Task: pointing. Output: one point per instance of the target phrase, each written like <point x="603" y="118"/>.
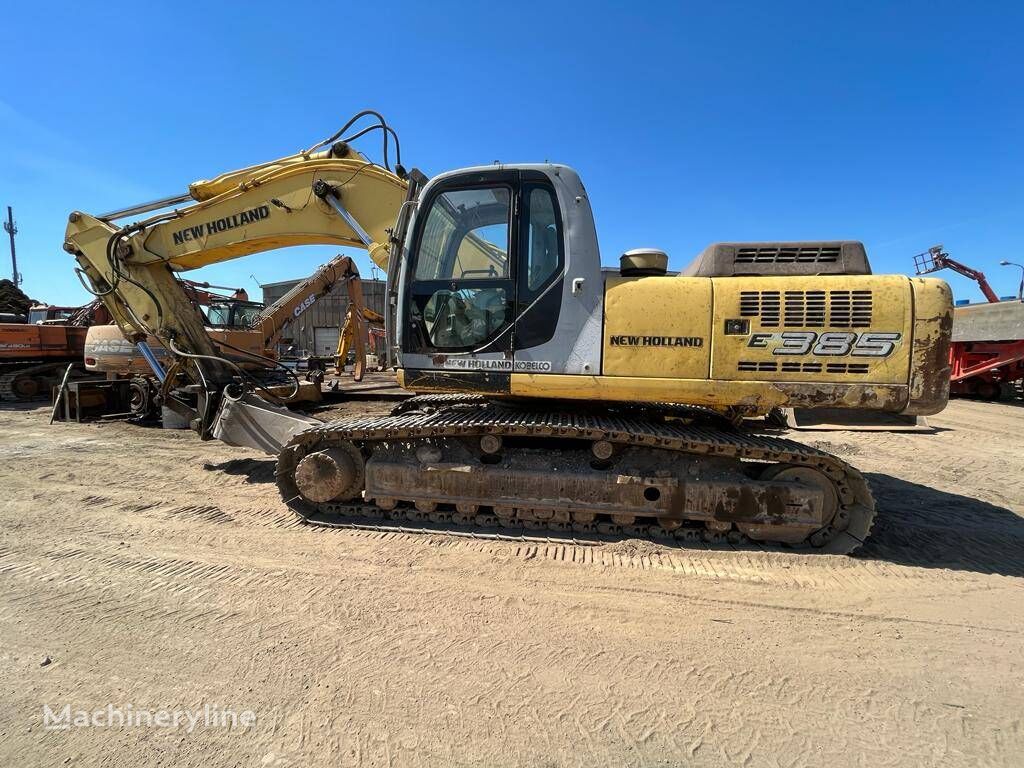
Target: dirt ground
<point x="161" y="573"/>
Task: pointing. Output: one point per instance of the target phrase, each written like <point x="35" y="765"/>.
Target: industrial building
<point x="315" y="331"/>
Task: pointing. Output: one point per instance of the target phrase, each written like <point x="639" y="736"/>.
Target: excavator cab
<point x="482" y="287"/>
<point x="232" y="313"/>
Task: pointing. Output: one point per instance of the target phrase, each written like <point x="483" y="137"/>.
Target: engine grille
<point x="788" y="255"/>
<point x="850" y="309"/>
<point x="808" y="309"/>
<point x="750" y="366"/>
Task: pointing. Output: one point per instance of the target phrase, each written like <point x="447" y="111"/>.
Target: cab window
<point x="466" y="235"/>
<point x="246" y="315"/>
<point x="219" y="315"/>
<point x="466" y="317"/>
<point x="462" y="289"/>
<point x="542" y="238"/>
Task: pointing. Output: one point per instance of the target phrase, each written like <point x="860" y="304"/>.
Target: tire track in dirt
<point x="892" y="554"/>
<point x="395" y="649"/>
<point x="977" y="537"/>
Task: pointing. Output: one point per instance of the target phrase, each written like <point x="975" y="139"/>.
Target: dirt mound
<point x="13" y="300"/>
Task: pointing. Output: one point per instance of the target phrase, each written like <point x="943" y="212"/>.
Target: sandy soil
<point x="161" y="572"/>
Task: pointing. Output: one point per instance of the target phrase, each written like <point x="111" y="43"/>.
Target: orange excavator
<point x="34" y="355"/>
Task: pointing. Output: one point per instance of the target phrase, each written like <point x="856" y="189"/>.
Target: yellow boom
<point x="330" y="197"/>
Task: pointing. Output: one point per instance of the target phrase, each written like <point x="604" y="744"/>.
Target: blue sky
<point x="899" y="124"/>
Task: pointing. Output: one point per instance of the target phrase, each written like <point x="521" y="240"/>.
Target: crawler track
<point x="648" y="428"/>
<point x="29" y="380"/>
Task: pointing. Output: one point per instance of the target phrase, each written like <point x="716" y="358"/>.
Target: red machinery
<point x="935" y="259"/>
<point x="987" y="353"/>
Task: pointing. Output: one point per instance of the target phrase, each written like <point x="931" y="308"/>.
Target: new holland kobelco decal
<point x="478" y="364"/>
<point x="208" y="228"/>
<point x="832" y="344"/>
<point x="656" y="341"/>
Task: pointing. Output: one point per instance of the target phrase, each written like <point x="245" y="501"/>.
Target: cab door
<point x="540" y="278"/>
<point x="460" y="285"/>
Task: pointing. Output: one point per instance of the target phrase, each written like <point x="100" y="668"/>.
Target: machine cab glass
<point x="488" y="248"/>
<point x="462" y="290"/>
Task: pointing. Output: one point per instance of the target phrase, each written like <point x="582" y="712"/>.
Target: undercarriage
<point x="33" y="379"/>
<point x="661" y="471"/>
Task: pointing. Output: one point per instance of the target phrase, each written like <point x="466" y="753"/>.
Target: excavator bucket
<point x="252" y="422"/>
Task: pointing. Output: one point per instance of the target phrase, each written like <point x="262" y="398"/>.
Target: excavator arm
<point x="333" y="196"/>
<point x="295" y="302"/>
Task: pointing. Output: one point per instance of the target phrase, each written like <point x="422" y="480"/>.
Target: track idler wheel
<point x="847" y="512"/>
<point x="27" y="387"/>
<point x="330" y="474"/>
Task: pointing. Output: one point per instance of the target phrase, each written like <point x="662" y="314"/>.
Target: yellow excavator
<point x="361" y="325"/>
<point x="551" y="393"/>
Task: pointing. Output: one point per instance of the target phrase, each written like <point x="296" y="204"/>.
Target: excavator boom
<point x="276" y="206"/>
<point x="331" y="196"/>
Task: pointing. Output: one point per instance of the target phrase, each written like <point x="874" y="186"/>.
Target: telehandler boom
<point x="554" y="394"/>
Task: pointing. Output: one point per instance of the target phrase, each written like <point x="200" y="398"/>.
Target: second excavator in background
<point x="34" y="355"/>
<point x="552" y="393"/>
<point x="243" y="331"/>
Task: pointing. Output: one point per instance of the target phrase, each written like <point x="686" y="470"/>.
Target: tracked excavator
<point x="35" y="355"/>
<point x="550" y="393"/>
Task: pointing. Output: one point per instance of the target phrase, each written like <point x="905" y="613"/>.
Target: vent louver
<point x="748" y="365"/>
<point x="808" y="309"/>
<point x="762" y="304"/>
<point x="788" y="255"/>
<point x="850" y="309"/>
<point x="789" y="366"/>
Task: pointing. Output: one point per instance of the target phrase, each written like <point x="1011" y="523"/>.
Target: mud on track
<point x="163" y="572"/>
